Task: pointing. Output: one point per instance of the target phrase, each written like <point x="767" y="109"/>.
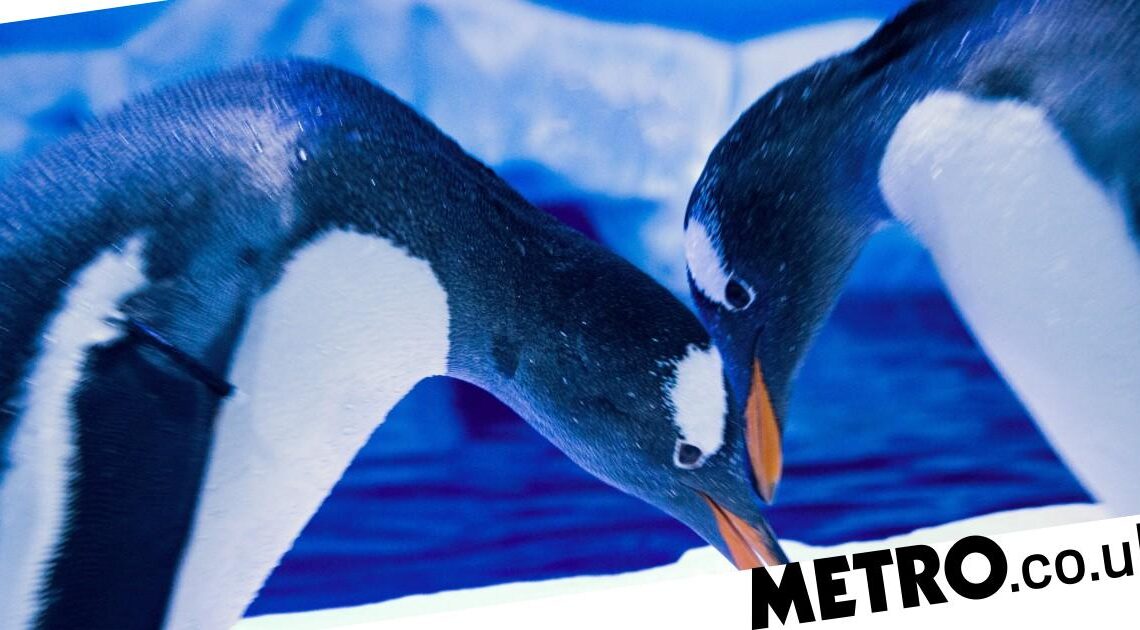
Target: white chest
<point x="354" y="323"/>
<point x="1038" y="258"/>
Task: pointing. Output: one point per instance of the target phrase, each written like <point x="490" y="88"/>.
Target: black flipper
<point x="143" y="436"/>
<point x="144" y="416"/>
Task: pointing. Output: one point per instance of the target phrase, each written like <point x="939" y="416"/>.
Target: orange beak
<point x="762" y="435"/>
<point x="748" y="548"/>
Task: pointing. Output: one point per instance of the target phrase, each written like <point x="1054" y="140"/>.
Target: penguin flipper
<point x="143" y="428"/>
<point x="142" y="407"/>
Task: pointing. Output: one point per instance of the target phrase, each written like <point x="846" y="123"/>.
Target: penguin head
<point x="768" y="240"/>
<point x="718" y="502"/>
<point x="628" y="384"/>
<point x="670" y="436"/>
<point x="708" y="486"/>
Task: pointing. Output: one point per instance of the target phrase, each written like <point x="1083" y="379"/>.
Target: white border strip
<point x="20" y="10"/>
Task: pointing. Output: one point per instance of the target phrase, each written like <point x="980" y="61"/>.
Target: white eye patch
<point x="700" y="402"/>
<point x="705" y="264"/>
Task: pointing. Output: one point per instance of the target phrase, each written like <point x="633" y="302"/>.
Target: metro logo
<point x="915" y="579"/>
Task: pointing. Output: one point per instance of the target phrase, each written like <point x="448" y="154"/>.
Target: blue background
<point x="898" y="421"/>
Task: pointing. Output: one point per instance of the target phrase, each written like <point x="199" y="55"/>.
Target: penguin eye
<point x="738" y="295"/>
<point x="687" y="456"/>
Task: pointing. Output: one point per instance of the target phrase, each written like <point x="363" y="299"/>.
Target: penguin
<point x="212" y="297"/>
<point x="1002" y="133"/>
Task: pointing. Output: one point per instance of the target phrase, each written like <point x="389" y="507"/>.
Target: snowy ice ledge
<point x="704" y="561"/>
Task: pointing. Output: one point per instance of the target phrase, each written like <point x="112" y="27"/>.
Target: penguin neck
<point x="809" y="271"/>
<point x="857" y="102"/>
<point x="516" y="290"/>
<point x="515" y="278"/>
<point x="540" y="316"/>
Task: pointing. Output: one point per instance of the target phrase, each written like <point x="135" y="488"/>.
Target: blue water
<point x="898" y="422"/>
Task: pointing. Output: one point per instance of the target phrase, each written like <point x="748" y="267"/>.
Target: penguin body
<point x="214" y="296"/>
<point x="1042" y="264"/>
<point x="273" y="464"/>
<point x="1000" y="131"/>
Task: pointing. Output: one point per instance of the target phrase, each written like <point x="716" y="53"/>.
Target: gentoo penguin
<point x="1004" y="134"/>
<point x="212" y="297"/>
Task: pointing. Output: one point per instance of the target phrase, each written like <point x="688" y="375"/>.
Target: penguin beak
<point x="762" y="435"/>
<point x="749" y="547"/>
